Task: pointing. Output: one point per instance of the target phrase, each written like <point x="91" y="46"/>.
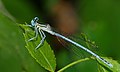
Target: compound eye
<point x="34" y="21"/>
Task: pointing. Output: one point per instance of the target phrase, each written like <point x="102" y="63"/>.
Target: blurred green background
<point x="99" y="19"/>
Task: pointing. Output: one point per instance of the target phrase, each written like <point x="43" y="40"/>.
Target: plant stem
<point x="73" y="63"/>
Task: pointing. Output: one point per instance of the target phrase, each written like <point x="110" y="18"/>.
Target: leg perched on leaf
<point x="36" y="31"/>
<point x="43" y="36"/>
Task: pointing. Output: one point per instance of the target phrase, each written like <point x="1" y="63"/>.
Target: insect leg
<point x="36" y="31"/>
<point x="29" y="25"/>
<point x="43" y="36"/>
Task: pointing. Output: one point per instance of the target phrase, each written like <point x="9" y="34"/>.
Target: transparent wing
<point x="83" y="40"/>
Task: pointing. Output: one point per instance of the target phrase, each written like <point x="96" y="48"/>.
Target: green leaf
<point x="105" y="68"/>
<point x="14" y="57"/>
<point x="44" y="55"/>
<point x="9" y="45"/>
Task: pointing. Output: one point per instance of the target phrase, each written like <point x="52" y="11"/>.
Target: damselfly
<point x="40" y="28"/>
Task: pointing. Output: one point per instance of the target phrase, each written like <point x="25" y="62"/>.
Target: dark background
<point x="99" y="20"/>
